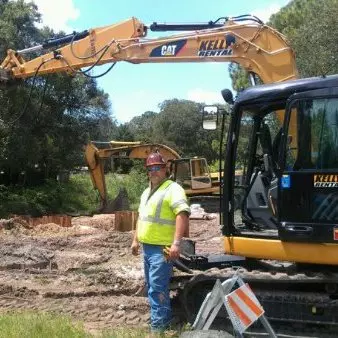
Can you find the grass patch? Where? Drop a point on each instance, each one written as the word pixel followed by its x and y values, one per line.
pixel 122 332
pixel 42 325
pixel 39 325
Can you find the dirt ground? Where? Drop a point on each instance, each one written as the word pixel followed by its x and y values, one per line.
pixel 85 271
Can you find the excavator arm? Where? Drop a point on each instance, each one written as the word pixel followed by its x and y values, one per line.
pixel 246 40
pixel 97 152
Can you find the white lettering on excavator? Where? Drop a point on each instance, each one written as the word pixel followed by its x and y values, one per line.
pixel 325 185
pixel 168 50
pixel 218 52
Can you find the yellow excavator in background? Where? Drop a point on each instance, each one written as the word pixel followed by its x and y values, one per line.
pixel 192 173
pixel 284 233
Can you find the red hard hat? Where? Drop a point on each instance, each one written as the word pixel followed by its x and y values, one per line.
pixel 155 159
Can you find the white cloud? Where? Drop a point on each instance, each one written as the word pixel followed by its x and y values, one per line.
pixel 56 14
pixel 201 95
pixel 265 13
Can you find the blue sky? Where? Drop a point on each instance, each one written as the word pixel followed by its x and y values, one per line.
pixel 134 89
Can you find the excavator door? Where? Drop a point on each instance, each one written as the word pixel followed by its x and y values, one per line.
pixel 200 175
pixel 308 187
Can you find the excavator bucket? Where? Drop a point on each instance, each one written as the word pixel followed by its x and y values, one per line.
pixel 120 203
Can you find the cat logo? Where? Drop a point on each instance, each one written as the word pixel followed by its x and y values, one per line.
pixel 167 50
pixel 325 181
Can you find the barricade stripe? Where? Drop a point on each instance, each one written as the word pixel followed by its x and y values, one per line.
pixel 253 296
pixel 255 308
pixel 240 303
pixel 240 314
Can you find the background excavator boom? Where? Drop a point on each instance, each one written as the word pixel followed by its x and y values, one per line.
pixel 191 173
pixel 96 153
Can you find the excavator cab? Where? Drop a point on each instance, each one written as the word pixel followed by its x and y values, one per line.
pixel 285 138
pixel 192 174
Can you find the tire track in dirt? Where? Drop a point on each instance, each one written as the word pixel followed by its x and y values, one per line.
pixel 86 271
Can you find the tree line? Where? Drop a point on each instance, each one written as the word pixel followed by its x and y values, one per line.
pixel 46 121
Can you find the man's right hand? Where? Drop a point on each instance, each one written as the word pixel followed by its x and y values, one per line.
pixel 135 246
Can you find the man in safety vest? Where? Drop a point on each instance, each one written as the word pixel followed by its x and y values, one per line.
pixel 163 221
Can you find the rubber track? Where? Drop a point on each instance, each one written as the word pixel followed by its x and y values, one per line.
pixel 286 297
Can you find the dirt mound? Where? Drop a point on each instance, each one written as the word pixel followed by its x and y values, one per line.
pixel 79 226
pixel 15 225
pixel 51 228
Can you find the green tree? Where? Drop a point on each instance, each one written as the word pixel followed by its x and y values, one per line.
pixel 17 25
pixel 179 125
pixel 123 133
pixel 239 77
pixel 311 26
pixel 142 127
pixel 45 121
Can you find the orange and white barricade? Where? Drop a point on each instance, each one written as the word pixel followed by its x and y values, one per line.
pixel 242 306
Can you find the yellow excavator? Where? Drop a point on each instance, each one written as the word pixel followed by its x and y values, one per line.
pixel 244 39
pixel 284 233
pixel 192 173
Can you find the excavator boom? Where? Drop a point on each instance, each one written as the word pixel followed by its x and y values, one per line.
pixel 258 48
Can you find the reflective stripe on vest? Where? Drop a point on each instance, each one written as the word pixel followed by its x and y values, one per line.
pixel 176 204
pixel 157 217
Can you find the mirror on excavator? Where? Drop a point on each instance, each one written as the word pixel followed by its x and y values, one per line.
pixel 210 117
pixel 212 113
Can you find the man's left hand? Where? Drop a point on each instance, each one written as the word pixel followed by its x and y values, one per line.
pixel 174 252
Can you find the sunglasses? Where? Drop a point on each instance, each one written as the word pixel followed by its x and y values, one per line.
pixel 154 168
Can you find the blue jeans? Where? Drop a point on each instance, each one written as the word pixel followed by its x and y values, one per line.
pixel 157 275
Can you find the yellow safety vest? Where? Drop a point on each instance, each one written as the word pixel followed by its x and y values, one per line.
pixel 157 213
